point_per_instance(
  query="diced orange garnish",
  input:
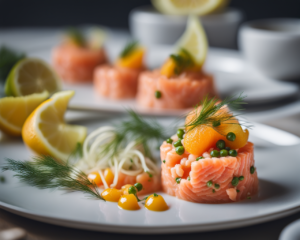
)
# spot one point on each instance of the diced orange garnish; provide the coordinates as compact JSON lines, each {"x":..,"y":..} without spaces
{"x":134,"y":60}
{"x":95,"y":177}
{"x":202,"y":138}
{"x":108,"y":176}
{"x":168,"y":69}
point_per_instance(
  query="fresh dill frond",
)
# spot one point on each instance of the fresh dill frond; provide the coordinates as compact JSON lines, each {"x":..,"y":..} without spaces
{"x":76,"y":36}
{"x":135,"y":129}
{"x":183,"y":60}
{"x":128,"y":49}
{"x":76,"y":154}
{"x":45,"y":172}
{"x":210,"y":115}
{"x":8,"y":58}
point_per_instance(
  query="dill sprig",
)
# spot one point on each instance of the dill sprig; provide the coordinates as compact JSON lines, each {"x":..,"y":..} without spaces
{"x":135,"y":129}
{"x":8,"y":58}
{"x":183,"y":60}
{"x":128,"y":49}
{"x":210,"y":115}
{"x":45,"y":172}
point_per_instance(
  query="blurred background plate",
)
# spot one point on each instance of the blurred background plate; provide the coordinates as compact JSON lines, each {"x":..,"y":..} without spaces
{"x":231,"y":72}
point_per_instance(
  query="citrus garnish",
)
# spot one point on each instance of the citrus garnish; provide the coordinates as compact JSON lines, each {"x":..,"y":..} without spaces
{"x":29,"y":76}
{"x":194,"y":41}
{"x":46,"y":132}
{"x":15,"y":110}
{"x":131,"y":56}
{"x":184,"y":7}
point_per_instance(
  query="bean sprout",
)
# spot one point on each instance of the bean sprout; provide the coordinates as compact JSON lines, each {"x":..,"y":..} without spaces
{"x":129,"y":160}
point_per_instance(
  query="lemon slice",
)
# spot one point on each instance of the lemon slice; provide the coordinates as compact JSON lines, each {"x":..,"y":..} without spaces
{"x":184,"y":7}
{"x":194,"y":40}
{"x":46,"y":132}
{"x":29,"y":76}
{"x":15,"y":110}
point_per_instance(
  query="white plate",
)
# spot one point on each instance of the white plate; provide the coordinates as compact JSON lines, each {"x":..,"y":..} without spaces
{"x":231,"y":74}
{"x":278,"y":171}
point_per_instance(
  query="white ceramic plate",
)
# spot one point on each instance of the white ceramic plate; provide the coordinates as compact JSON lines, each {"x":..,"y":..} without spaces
{"x":278,"y":170}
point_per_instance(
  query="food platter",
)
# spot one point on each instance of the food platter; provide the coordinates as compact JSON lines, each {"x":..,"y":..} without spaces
{"x":277,"y":163}
{"x":231,"y":73}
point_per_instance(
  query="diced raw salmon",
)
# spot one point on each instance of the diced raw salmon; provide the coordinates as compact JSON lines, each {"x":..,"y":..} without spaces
{"x":116,"y":82}
{"x":150,"y":184}
{"x":76,"y":64}
{"x":183,"y":91}
{"x":220,"y":171}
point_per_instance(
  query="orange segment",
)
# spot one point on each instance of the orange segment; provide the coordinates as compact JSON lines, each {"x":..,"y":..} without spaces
{"x":168,"y":68}
{"x":203,"y":137}
{"x":133,"y":60}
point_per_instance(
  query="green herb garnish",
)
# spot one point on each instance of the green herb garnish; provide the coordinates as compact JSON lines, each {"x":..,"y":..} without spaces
{"x":135,"y":129}
{"x":209,"y":183}
{"x":177,"y":180}
{"x":209,"y":114}
{"x":128,"y":49}
{"x":76,"y":36}
{"x":235,"y":181}
{"x":8,"y":58}
{"x":45,"y":172}
{"x":183,"y":60}
{"x":155,"y":195}
{"x":252,"y":169}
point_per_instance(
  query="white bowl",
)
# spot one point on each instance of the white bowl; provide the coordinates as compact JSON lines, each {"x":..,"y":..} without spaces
{"x":153,"y":28}
{"x":272,"y":47}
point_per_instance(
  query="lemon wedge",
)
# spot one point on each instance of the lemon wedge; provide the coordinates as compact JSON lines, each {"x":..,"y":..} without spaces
{"x":31,"y":75}
{"x":15,"y":110}
{"x":46,"y":132}
{"x":194,"y":40}
{"x":185,"y":7}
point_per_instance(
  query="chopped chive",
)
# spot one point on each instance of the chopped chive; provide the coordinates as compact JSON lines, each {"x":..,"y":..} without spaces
{"x":235,"y":181}
{"x":199,"y":158}
{"x":252,"y":169}
{"x":233,"y":152}
{"x":241,"y":178}
{"x":189,"y":178}
{"x":131,"y":160}
{"x":155,"y":195}
{"x":217,"y":186}
{"x":216,"y":123}
{"x":178,"y":180}
{"x":164,"y":161}
{"x":150,"y":175}
{"x":213,"y":190}
{"x":157,"y":94}
{"x":237,"y":190}
{"x":138,"y":186}
{"x":209,"y":183}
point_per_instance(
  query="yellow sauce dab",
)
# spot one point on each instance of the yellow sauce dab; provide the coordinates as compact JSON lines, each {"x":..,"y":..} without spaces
{"x":128,"y":202}
{"x":125,"y":188}
{"x":156,"y":203}
{"x":111,"y":194}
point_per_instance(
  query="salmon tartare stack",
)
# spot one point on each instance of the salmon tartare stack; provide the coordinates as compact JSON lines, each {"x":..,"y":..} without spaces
{"x":119,"y":81}
{"x":209,"y":160}
{"x":76,"y":58}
